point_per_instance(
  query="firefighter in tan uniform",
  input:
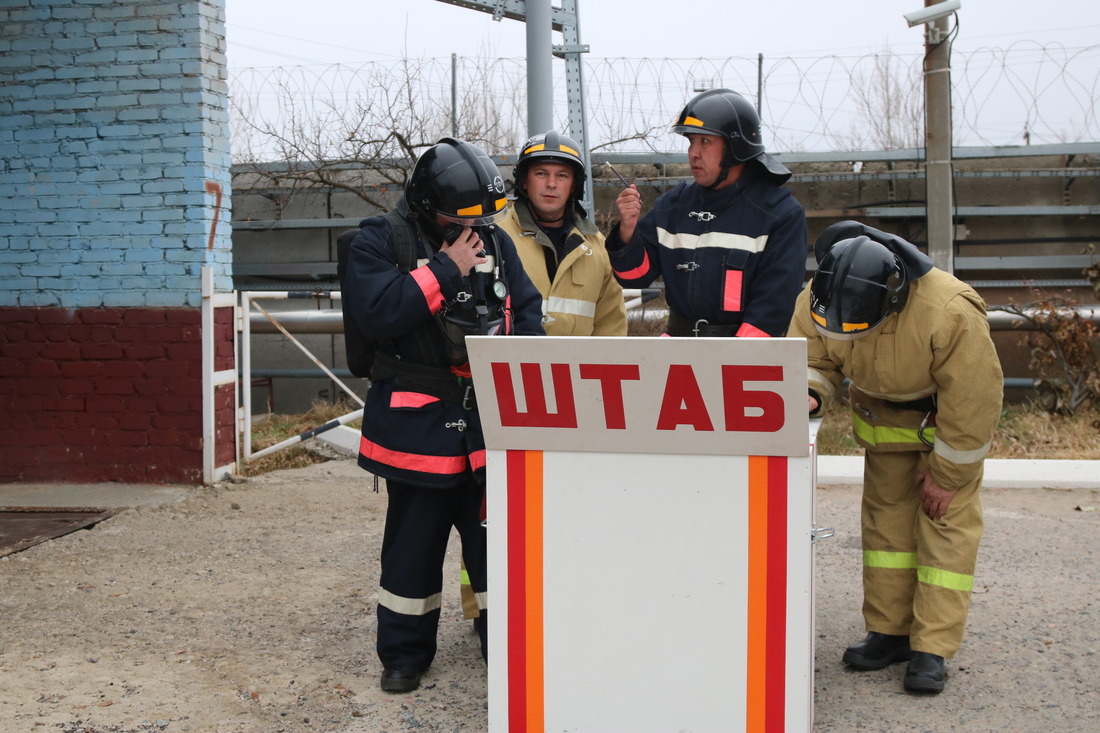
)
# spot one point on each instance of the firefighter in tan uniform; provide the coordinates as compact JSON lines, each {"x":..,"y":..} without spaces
{"x":562,"y":252}
{"x":925,"y":391}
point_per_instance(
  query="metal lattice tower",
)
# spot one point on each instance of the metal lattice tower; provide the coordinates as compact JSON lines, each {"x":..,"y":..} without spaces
{"x":565,"y":20}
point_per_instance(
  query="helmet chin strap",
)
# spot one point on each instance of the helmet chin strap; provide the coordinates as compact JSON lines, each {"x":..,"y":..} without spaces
{"x":728,"y":161}
{"x":722,"y":175}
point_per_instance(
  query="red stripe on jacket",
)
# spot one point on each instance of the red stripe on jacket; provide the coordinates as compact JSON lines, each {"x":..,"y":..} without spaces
{"x":429,"y":286}
{"x":440,"y":465}
{"x":637,"y":271}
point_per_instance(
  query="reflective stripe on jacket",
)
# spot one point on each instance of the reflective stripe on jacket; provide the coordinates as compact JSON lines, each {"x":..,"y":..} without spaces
{"x":585,"y":299}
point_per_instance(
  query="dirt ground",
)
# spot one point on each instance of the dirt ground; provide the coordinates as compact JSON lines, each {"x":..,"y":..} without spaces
{"x":249,"y":608}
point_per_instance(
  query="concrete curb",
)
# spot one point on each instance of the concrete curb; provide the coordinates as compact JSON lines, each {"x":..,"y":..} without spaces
{"x":999,"y":473}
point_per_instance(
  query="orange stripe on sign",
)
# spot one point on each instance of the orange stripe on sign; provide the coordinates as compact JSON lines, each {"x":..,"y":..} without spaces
{"x":534,"y":572}
{"x":757,"y":652}
{"x":526,"y":711}
{"x":766,"y":659}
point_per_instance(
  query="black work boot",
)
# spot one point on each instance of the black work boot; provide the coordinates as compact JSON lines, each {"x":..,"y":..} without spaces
{"x":878,"y":651}
{"x":400,"y":679}
{"x":925,"y":673}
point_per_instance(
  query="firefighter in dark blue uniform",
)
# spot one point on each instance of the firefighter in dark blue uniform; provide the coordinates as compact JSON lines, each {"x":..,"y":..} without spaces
{"x":421,"y":430}
{"x":731,"y":245}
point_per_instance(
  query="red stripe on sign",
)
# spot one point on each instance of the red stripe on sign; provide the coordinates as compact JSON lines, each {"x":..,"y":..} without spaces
{"x":517,"y":584}
{"x":776,"y":676}
{"x":526,"y":683}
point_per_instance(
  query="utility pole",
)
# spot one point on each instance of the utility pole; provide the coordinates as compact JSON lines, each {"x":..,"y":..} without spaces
{"x":939,"y":167}
{"x":540,"y":76}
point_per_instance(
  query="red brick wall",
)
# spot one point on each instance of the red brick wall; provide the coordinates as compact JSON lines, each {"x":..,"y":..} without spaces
{"x":108,"y":394}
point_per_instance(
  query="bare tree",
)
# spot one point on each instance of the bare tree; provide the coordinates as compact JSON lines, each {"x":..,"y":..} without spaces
{"x":362,"y":133}
{"x":889,"y":107}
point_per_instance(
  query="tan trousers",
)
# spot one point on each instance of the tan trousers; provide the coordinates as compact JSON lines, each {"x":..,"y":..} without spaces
{"x":469,"y":602}
{"x":917,"y":573}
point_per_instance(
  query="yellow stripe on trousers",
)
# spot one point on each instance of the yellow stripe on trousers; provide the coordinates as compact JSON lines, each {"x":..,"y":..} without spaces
{"x":908,"y":561}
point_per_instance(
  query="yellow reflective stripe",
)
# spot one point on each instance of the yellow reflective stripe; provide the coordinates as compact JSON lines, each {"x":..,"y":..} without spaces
{"x":534,"y":148}
{"x":855,"y":326}
{"x":819,"y":319}
{"x":874,"y":435}
{"x":908,"y":561}
{"x":945,"y":578}
{"x":693,"y":121}
{"x":409,"y":606}
{"x":943,"y":450}
{"x":463,"y":577}
{"x":891,"y":560}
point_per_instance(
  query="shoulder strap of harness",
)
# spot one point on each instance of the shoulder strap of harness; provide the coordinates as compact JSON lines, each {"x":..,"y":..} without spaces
{"x":406,"y":239}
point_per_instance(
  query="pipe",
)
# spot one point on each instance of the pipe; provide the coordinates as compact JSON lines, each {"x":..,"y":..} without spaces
{"x":331,"y":320}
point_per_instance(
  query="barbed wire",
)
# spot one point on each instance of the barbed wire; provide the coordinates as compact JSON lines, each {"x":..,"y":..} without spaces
{"x":1026,"y":93}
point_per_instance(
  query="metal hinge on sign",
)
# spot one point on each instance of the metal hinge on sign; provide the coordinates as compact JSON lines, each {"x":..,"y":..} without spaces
{"x":821,"y":533}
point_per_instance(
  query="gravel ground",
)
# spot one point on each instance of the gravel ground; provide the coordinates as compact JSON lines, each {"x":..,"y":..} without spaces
{"x":249,"y":608}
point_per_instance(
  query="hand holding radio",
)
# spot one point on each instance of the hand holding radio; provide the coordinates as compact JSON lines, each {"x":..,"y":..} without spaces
{"x":464,"y":246}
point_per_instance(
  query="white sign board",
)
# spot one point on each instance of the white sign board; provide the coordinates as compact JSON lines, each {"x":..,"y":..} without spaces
{"x":721,"y":396}
{"x":650,"y":566}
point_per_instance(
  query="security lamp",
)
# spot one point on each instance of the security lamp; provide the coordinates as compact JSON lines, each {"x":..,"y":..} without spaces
{"x":932,"y":12}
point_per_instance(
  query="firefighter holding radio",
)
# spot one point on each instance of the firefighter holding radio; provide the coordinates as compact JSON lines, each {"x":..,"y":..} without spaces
{"x":415,"y":283}
{"x":925,"y":392}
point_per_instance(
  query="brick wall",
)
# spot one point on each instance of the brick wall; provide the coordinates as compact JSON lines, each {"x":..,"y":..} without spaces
{"x":114,"y":178}
{"x":92,"y":393}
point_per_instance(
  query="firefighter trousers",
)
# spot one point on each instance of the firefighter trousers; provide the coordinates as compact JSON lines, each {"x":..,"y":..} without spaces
{"x":917,"y":572}
{"x":414,"y":545}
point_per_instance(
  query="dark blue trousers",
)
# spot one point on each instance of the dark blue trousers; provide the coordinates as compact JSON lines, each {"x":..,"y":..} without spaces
{"x":418,"y":525}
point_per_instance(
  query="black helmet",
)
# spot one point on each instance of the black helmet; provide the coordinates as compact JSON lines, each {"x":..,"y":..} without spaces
{"x":551,"y":147}
{"x":725,"y":113}
{"x":859,"y":282}
{"x":458,"y":181}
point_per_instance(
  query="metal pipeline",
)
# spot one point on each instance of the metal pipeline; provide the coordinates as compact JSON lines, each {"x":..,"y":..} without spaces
{"x":331,"y":321}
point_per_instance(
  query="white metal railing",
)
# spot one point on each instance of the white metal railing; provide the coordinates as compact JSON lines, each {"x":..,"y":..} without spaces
{"x":248,"y":303}
{"x":212,"y":379}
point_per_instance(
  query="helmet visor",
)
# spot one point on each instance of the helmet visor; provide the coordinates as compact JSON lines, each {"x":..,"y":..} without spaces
{"x":477,"y":216}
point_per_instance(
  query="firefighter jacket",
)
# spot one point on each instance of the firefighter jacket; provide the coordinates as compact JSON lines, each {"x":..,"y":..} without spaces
{"x":938,"y":345}
{"x":584,"y":299}
{"x":734,"y":257}
{"x":410,"y":435}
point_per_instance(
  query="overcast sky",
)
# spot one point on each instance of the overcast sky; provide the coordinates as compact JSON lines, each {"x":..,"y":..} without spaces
{"x":264,"y":33}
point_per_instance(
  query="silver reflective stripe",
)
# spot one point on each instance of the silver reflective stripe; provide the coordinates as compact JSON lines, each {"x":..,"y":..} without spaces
{"x":409,"y":606}
{"x":569,"y":306}
{"x":722,"y":240}
{"x":482,"y":600}
{"x":943,"y":450}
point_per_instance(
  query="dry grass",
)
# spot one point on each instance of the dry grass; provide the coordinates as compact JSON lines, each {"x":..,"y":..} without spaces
{"x":277,"y":428}
{"x":1025,"y":431}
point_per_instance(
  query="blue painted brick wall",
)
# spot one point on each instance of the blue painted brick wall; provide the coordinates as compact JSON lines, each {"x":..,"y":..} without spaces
{"x":113,"y":128}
